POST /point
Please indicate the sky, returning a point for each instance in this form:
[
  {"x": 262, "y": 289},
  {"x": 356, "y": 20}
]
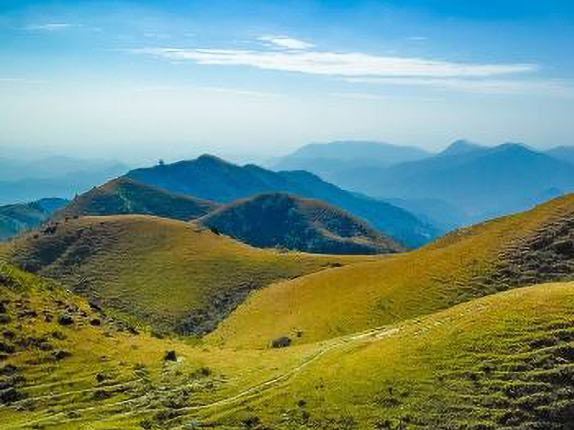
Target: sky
[{"x": 251, "y": 80}]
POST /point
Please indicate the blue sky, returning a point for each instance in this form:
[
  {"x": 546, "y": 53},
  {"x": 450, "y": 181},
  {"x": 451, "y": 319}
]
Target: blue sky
[{"x": 255, "y": 79}]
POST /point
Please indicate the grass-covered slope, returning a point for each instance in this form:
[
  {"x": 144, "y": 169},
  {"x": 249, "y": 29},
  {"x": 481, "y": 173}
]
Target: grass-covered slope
[
  {"x": 216, "y": 180},
  {"x": 519, "y": 250},
  {"x": 171, "y": 274},
  {"x": 65, "y": 365},
  {"x": 501, "y": 362},
  {"x": 16, "y": 218},
  {"x": 126, "y": 196},
  {"x": 287, "y": 221}
]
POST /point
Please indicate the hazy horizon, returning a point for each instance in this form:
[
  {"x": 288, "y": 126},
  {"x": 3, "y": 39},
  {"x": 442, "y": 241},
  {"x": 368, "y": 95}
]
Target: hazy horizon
[{"x": 150, "y": 79}]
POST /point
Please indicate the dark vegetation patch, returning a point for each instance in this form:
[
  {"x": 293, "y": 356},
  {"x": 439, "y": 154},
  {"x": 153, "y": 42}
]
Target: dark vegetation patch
[
  {"x": 285, "y": 221},
  {"x": 221, "y": 305}
]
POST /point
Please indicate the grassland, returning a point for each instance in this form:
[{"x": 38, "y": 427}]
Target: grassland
[
  {"x": 503, "y": 361},
  {"x": 421, "y": 340},
  {"x": 494, "y": 256},
  {"x": 169, "y": 274}
]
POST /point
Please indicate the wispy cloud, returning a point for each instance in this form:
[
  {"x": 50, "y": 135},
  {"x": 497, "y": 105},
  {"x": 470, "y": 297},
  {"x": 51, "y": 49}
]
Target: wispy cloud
[
  {"x": 287, "y": 42},
  {"x": 222, "y": 90},
  {"x": 51, "y": 26},
  {"x": 238, "y": 92},
  {"x": 418, "y": 38},
  {"x": 552, "y": 87},
  {"x": 11, "y": 80},
  {"x": 360, "y": 96},
  {"x": 338, "y": 64}
]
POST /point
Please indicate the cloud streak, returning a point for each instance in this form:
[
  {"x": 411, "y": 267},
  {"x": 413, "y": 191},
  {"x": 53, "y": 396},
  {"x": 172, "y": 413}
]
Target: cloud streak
[
  {"x": 287, "y": 42},
  {"x": 51, "y": 26},
  {"x": 339, "y": 64}
]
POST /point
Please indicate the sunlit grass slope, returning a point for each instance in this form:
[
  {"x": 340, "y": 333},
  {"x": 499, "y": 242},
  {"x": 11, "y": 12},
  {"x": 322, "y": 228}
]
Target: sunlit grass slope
[
  {"x": 505, "y": 361},
  {"x": 93, "y": 372},
  {"x": 170, "y": 274},
  {"x": 519, "y": 250},
  {"x": 501, "y": 362}
]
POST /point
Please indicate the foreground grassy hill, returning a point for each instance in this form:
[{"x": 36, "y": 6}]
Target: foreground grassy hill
[
  {"x": 20, "y": 217},
  {"x": 66, "y": 365},
  {"x": 170, "y": 274},
  {"x": 515, "y": 251},
  {"x": 291, "y": 222},
  {"x": 126, "y": 196},
  {"x": 501, "y": 362}
]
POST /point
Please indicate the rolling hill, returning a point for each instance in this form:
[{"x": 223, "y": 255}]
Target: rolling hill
[
  {"x": 515, "y": 251},
  {"x": 287, "y": 221},
  {"x": 503, "y": 361},
  {"x": 126, "y": 196},
  {"x": 215, "y": 180},
  {"x": 17, "y": 218},
  {"x": 172, "y": 275}
]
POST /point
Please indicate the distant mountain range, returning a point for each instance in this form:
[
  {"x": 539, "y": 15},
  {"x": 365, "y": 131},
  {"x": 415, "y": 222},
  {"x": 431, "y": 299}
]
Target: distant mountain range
[
  {"x": 476, "y": 182},
  {"x": 17, "y": 218},
  {"x": 25, "y": 181},
  {"x": 213, "y": 179},
  {"x": 18, "y": 169},
  {"x": 283, "y": 220},
  {"x": 327, "y": 159}
]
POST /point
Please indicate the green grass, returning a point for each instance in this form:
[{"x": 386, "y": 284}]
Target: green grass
[
  {"x": 167, "y": 273},
  {"x": 503, "y": 361},
  {"x": 455, "y": 269}
]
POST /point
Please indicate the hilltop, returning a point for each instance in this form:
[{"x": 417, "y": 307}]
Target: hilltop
[
  {"x": 17, "y": 218},
  {"x": 510, "y": 252},
  {"x": 169, "y": 274},
  {"x": 126, "y": 196},
  {"x": 283, "y": 220},
  {"x": 216, "y": 180}
]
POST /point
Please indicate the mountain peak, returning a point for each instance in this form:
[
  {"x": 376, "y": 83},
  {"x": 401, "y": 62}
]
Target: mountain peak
[
  {"x": 212, "y": 159},
  {"x": 514, "y": 148},
  {"x": 461, "y": 146}
]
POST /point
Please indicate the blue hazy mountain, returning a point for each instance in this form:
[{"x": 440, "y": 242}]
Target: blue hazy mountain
[
  {"x": 482, "y": 182},
  {"x": 17, "y": 218},
  {"x": 216, "y": 180},
  {"x": 325, "y": 159},
  {"x": 23, "y": 181}
]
